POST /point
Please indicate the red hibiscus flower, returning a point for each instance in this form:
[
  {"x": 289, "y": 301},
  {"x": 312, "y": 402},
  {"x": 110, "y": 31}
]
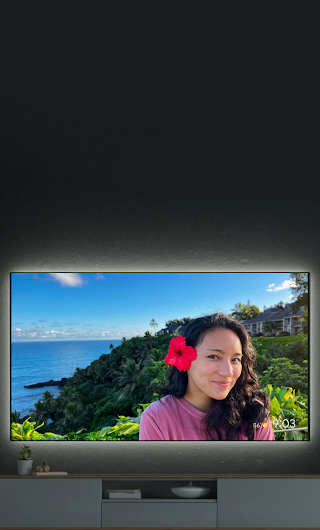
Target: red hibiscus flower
[{"x": 180, "y": 355}]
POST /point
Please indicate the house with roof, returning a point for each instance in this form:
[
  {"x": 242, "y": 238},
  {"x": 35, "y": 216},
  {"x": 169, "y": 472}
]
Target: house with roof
[
  {"x": 283, "y": 320},
  {"x": 172, "y": 329}
]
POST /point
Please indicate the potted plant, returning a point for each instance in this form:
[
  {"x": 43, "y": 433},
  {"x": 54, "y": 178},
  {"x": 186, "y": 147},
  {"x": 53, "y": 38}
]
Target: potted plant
[{"x": 25, "y": 462}]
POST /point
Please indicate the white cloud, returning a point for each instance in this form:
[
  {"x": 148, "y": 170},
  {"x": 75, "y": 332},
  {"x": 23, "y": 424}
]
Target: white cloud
[
  {"x": 100, "y": 276},
  {"x": 271, "y": 285},
  {"x": 36, "y": 334},
  {"x": 286, "y": 284},
  {"x": 69, "y": 279}
]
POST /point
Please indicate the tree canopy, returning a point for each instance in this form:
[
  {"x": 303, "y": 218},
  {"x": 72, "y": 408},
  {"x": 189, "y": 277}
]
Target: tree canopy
[
  {"x": 300, "y": 288},
  {"x": 245, "y": 311}
]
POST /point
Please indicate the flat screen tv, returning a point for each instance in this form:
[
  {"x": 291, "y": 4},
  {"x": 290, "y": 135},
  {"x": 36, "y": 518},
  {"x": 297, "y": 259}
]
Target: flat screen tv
[{"x": 159, "y": 356}]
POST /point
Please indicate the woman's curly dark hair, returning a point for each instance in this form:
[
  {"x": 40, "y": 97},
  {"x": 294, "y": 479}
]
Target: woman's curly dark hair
[{"x": 238, "y": 406}]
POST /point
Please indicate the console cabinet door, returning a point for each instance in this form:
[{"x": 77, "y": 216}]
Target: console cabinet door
[
  {"x": 50, "y": 503},
  {"x": 159, "y": 515},
  {"x": 268, "y": 502}
]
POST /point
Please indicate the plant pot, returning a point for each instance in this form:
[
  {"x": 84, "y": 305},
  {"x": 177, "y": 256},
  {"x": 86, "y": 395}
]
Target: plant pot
[{"x": 25, "y": 467}]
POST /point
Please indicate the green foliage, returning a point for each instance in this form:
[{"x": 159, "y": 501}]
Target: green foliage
[
  {"x": 160, "y": 369},
  {"x": 282, "y": 372},
  {"x": 267, "y": 326},
  {"x": 85, "y": 390},
  {"x": 25, "y": 431},
  {"x": 81, "y": 403},
  {"x": 127, "y": 428},
  {"x": 245, "y": 311},
  {"x": 89, "y": 407},
  {"x": 98, "y": 393},
  {"x": 298, "y": 351},
  {"x": 294, "y": 348},
  {"x": 288, "y": 410},
  {"x": 261, "y": 344},
  {"x": 179, "y": 322},
  {"x": 300, "y": 290}
]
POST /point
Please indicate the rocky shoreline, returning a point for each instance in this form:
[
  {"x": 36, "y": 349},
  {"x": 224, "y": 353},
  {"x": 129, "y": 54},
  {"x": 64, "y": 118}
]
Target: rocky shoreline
[{"x": 48, "y": 383}]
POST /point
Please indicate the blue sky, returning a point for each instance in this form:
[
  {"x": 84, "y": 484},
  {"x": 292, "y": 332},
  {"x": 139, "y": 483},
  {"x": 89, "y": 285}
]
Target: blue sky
[{"x": 96, "y": 306}]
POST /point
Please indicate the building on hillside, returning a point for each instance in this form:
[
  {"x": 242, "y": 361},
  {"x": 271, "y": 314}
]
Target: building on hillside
[
  {"x": 283, "y": 320},
  {"x": 172, "y": 329},
  {"x": 180, "y": 330},
  {"x": 169, "y": 330}
]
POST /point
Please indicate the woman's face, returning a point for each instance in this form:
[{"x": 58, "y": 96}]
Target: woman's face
[{"x": 211, "y": 367}]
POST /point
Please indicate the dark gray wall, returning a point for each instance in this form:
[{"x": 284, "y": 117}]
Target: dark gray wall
[
  {"x": 66, "y": 231},
  {"x": 93, "y": 181}
]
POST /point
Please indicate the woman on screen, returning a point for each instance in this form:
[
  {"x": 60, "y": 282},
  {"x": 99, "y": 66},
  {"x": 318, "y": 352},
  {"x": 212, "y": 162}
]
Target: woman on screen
[{"x": 213, "y": 391}]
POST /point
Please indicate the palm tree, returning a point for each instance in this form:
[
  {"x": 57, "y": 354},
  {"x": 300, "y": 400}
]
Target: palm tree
[
  {"x": 240, "y": 310},
  {"x": 49, "y": 401},
  {"x": 39, "y": 413},
  {"x": 44, "y": 409},
  {"x": 111, "y": 347},
  {"x": 148, "y": 338},
  {"x": 129, "y": 378},
  {"x": 70, "y": 413},
  {"x": 79, "y": 376},
  {"x": 68, "y": 395},
  {"x": 153, "y": 323},
  {"x": 155, "y": 355},
  {"x": 15, "y": 417},
  {"x": 73, "y": 419}
]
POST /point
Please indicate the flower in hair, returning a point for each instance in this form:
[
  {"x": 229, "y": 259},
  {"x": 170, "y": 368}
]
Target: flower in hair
[{"x": 180, "y": 355}]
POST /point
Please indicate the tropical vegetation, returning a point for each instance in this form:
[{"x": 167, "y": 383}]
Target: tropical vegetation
[{"x": 105, "y": 400}]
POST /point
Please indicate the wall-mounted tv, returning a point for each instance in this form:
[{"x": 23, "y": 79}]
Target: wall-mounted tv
[{"x": 159, "y": 356}]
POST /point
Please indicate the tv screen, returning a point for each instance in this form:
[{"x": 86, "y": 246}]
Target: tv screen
[{"x": 159, "y": 356}]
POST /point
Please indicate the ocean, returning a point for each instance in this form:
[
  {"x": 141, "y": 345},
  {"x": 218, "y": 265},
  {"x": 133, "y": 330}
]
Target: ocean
[{"x": 36, "y": 362}]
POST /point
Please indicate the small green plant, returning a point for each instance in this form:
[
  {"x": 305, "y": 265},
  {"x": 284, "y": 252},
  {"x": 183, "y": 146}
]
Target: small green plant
[{"x": 25, "y": 453}]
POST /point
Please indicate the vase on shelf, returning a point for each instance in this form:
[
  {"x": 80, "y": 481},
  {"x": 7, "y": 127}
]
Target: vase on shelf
[{"x": 25, "y": 467}]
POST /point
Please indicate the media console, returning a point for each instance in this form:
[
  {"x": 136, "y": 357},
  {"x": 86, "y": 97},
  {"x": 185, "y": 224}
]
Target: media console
[{"x": 234, "y": 501}]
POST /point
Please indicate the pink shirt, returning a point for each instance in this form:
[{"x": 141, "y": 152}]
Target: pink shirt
[{"x": 176, "y": 419}]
